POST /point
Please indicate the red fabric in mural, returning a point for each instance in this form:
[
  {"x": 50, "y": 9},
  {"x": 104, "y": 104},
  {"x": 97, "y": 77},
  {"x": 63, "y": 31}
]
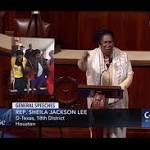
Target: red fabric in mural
[{"x": 50, "y": 80}]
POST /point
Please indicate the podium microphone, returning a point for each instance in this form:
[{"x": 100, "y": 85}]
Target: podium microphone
[
  {"x": 108, "y": 62},
  {"x": 101, "y": 76}
]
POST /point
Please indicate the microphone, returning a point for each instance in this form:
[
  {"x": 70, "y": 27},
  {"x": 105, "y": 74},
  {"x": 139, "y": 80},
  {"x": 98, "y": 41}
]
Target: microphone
[
  {"x": 108, "y": 62},
  {"x": 101, "y": 76}
]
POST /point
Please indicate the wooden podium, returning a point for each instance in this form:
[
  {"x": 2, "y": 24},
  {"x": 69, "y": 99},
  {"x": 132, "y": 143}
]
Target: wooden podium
[
  {"x": 108, "y": 91},
  {"x": 67, "y": 90}
]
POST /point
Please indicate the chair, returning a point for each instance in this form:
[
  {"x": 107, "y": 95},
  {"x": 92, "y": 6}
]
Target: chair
[{"x": 33, "y": 27}]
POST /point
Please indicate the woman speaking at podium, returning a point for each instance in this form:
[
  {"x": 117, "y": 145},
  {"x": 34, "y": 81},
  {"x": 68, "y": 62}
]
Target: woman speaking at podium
[{"x": 108, "y": 66}]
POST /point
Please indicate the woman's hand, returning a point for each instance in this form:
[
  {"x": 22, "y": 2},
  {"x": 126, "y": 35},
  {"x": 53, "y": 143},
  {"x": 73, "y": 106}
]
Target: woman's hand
[
  {"x": 85, "y": 55},
  {"x": 82, "y": 63}
]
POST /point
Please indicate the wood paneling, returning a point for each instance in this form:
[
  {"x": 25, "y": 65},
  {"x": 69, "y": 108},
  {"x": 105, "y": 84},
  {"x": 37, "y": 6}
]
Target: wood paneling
[
  {"x": 76, "y": 29},
  {"x": 69, "y": 132},
  {"x": 65, "y": 132},
  {"x": 2, "y": 14},
  {"x": 68, "y": 29},
  {"x": 23, "y": 132},
  {"x": 4, "y": 78},
  {"x": 8, "y": 21},
  {"x": 1, "y": 85},
  {"x": 139, "y": 90},
  {"x": 131, "y": 29},
  {"x": 138, "y": 133}
]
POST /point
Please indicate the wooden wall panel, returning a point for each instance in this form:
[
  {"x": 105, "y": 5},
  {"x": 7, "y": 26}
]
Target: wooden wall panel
[
  {"x": 139, "y": 91},
  {"x": 76, "y": 29},
  {"x": 1, "y": 85},
  {"x": 8, "y": 21},
  {"x": 22, "y": 14},
  {"x": 2, "y": 14},
  {"x": 4, "y": 78},
  {"x": 89, "y": 22},
  {"x": 131, "y": 29},
  {"x": 138, "y": 133},
  {"x": 23, "y": 132},
  {"x": 143, "y": 31},
  {"x": 65, "y": 133},
  {"x": 68, "y": 29}
]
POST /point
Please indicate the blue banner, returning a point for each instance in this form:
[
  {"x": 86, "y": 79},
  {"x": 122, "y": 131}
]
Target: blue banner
[
  {"x": 146, "y": 118},
  {"x": 74, "y": 118}
]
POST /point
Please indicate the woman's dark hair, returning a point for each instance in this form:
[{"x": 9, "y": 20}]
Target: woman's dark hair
[
  {"x": 18, "y": 61},
  {"x": 35, "y": 52},
  {"x": 14, "y": 48},
  {"x": 100, "y": 33},
  {"x": 19, "y": 52}
]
